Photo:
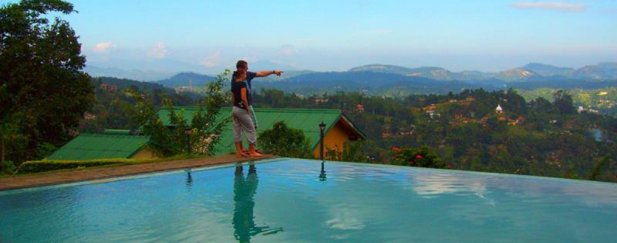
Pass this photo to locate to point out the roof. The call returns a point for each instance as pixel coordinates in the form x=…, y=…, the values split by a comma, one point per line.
x=100, y=146
x=306, y=120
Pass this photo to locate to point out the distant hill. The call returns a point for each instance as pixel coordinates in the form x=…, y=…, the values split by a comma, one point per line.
x=379, y=68
x=436, y=73
x=133, y=74
x=562, y=84
x=377, y=79
x=369, y=82
x=474, y=76
x=122, y=83
x=601, y=71
x=186, y=79
x=529, y=72
x=516, y=75
x=150, y=88
x=548, y=70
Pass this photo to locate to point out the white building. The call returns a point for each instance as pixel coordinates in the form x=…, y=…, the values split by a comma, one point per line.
x=499, y=110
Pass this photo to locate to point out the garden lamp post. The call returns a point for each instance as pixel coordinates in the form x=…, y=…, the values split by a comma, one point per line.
x=188, y=132
x=322, y=128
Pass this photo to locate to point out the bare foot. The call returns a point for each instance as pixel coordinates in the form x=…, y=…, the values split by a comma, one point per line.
x=255, y=154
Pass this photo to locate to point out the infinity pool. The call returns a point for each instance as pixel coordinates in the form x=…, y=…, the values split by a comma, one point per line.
x=292, y=200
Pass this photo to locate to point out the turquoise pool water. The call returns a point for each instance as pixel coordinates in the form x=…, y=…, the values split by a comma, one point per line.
x=290, y=200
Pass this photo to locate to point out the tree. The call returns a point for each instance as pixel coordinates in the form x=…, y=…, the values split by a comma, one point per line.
x=355, y=152
x=541, y=105
x=205, y=127
x=284, y=141
x=563, y=102
x=598, y=168
x=8, y=138
x=41, y=73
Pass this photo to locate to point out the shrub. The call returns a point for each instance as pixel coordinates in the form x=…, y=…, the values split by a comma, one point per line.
x=8, y=167
x=420, y=157
x=285, y=141
x=45, y=149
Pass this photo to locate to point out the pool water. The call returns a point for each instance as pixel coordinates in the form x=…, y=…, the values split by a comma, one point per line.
x=293, y=200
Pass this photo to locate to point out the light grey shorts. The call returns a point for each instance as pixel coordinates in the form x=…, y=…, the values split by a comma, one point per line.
x=242, y=122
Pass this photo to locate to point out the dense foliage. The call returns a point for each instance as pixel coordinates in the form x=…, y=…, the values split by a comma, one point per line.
x=539, y=137
x=602, y=100
x=43, y=92
x=199, y=135
x=420, y=156
x=284, y=141
x=115, y=102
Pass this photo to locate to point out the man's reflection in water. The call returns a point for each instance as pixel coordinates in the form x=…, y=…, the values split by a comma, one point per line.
x=244, y=190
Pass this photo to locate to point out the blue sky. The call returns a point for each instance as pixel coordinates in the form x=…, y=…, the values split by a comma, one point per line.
x=335, y=35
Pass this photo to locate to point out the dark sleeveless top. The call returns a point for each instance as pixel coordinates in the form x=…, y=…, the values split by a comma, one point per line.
x=236, y=87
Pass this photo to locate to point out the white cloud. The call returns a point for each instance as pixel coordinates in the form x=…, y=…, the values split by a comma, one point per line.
x=103, y=47
x=159, y=51
x=560, y=6
x=212, y=60
x=288, y=50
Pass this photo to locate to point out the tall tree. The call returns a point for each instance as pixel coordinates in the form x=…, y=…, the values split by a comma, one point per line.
x=563, y=102
x=46, y=91
x=203, y=130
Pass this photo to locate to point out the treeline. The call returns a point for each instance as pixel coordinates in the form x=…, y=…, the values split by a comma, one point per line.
x=43, y=93
x=546, y=137
x=537, y=135
x=543, y=136
x=602, y=100
x=115, y=104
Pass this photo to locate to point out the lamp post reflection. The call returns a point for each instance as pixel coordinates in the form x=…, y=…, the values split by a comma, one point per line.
x=189, y=177
x=322, y=174
x=244, y=203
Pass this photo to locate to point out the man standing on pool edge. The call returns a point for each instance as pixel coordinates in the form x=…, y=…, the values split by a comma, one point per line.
x=243, y=116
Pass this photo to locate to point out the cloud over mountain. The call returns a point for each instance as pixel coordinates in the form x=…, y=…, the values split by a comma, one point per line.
x=159, y=51
x=103, y=47
x=212, y=60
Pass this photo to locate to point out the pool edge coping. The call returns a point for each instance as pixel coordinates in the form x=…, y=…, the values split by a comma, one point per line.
x=99, y=173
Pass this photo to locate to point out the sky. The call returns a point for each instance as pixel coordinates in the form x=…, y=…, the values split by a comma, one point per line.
x=207, y=36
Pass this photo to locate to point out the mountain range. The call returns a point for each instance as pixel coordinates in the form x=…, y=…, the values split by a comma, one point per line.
x=398, y=80
x=529, y=72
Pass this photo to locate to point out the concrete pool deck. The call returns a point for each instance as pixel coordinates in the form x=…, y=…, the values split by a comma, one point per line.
x=92, y=173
